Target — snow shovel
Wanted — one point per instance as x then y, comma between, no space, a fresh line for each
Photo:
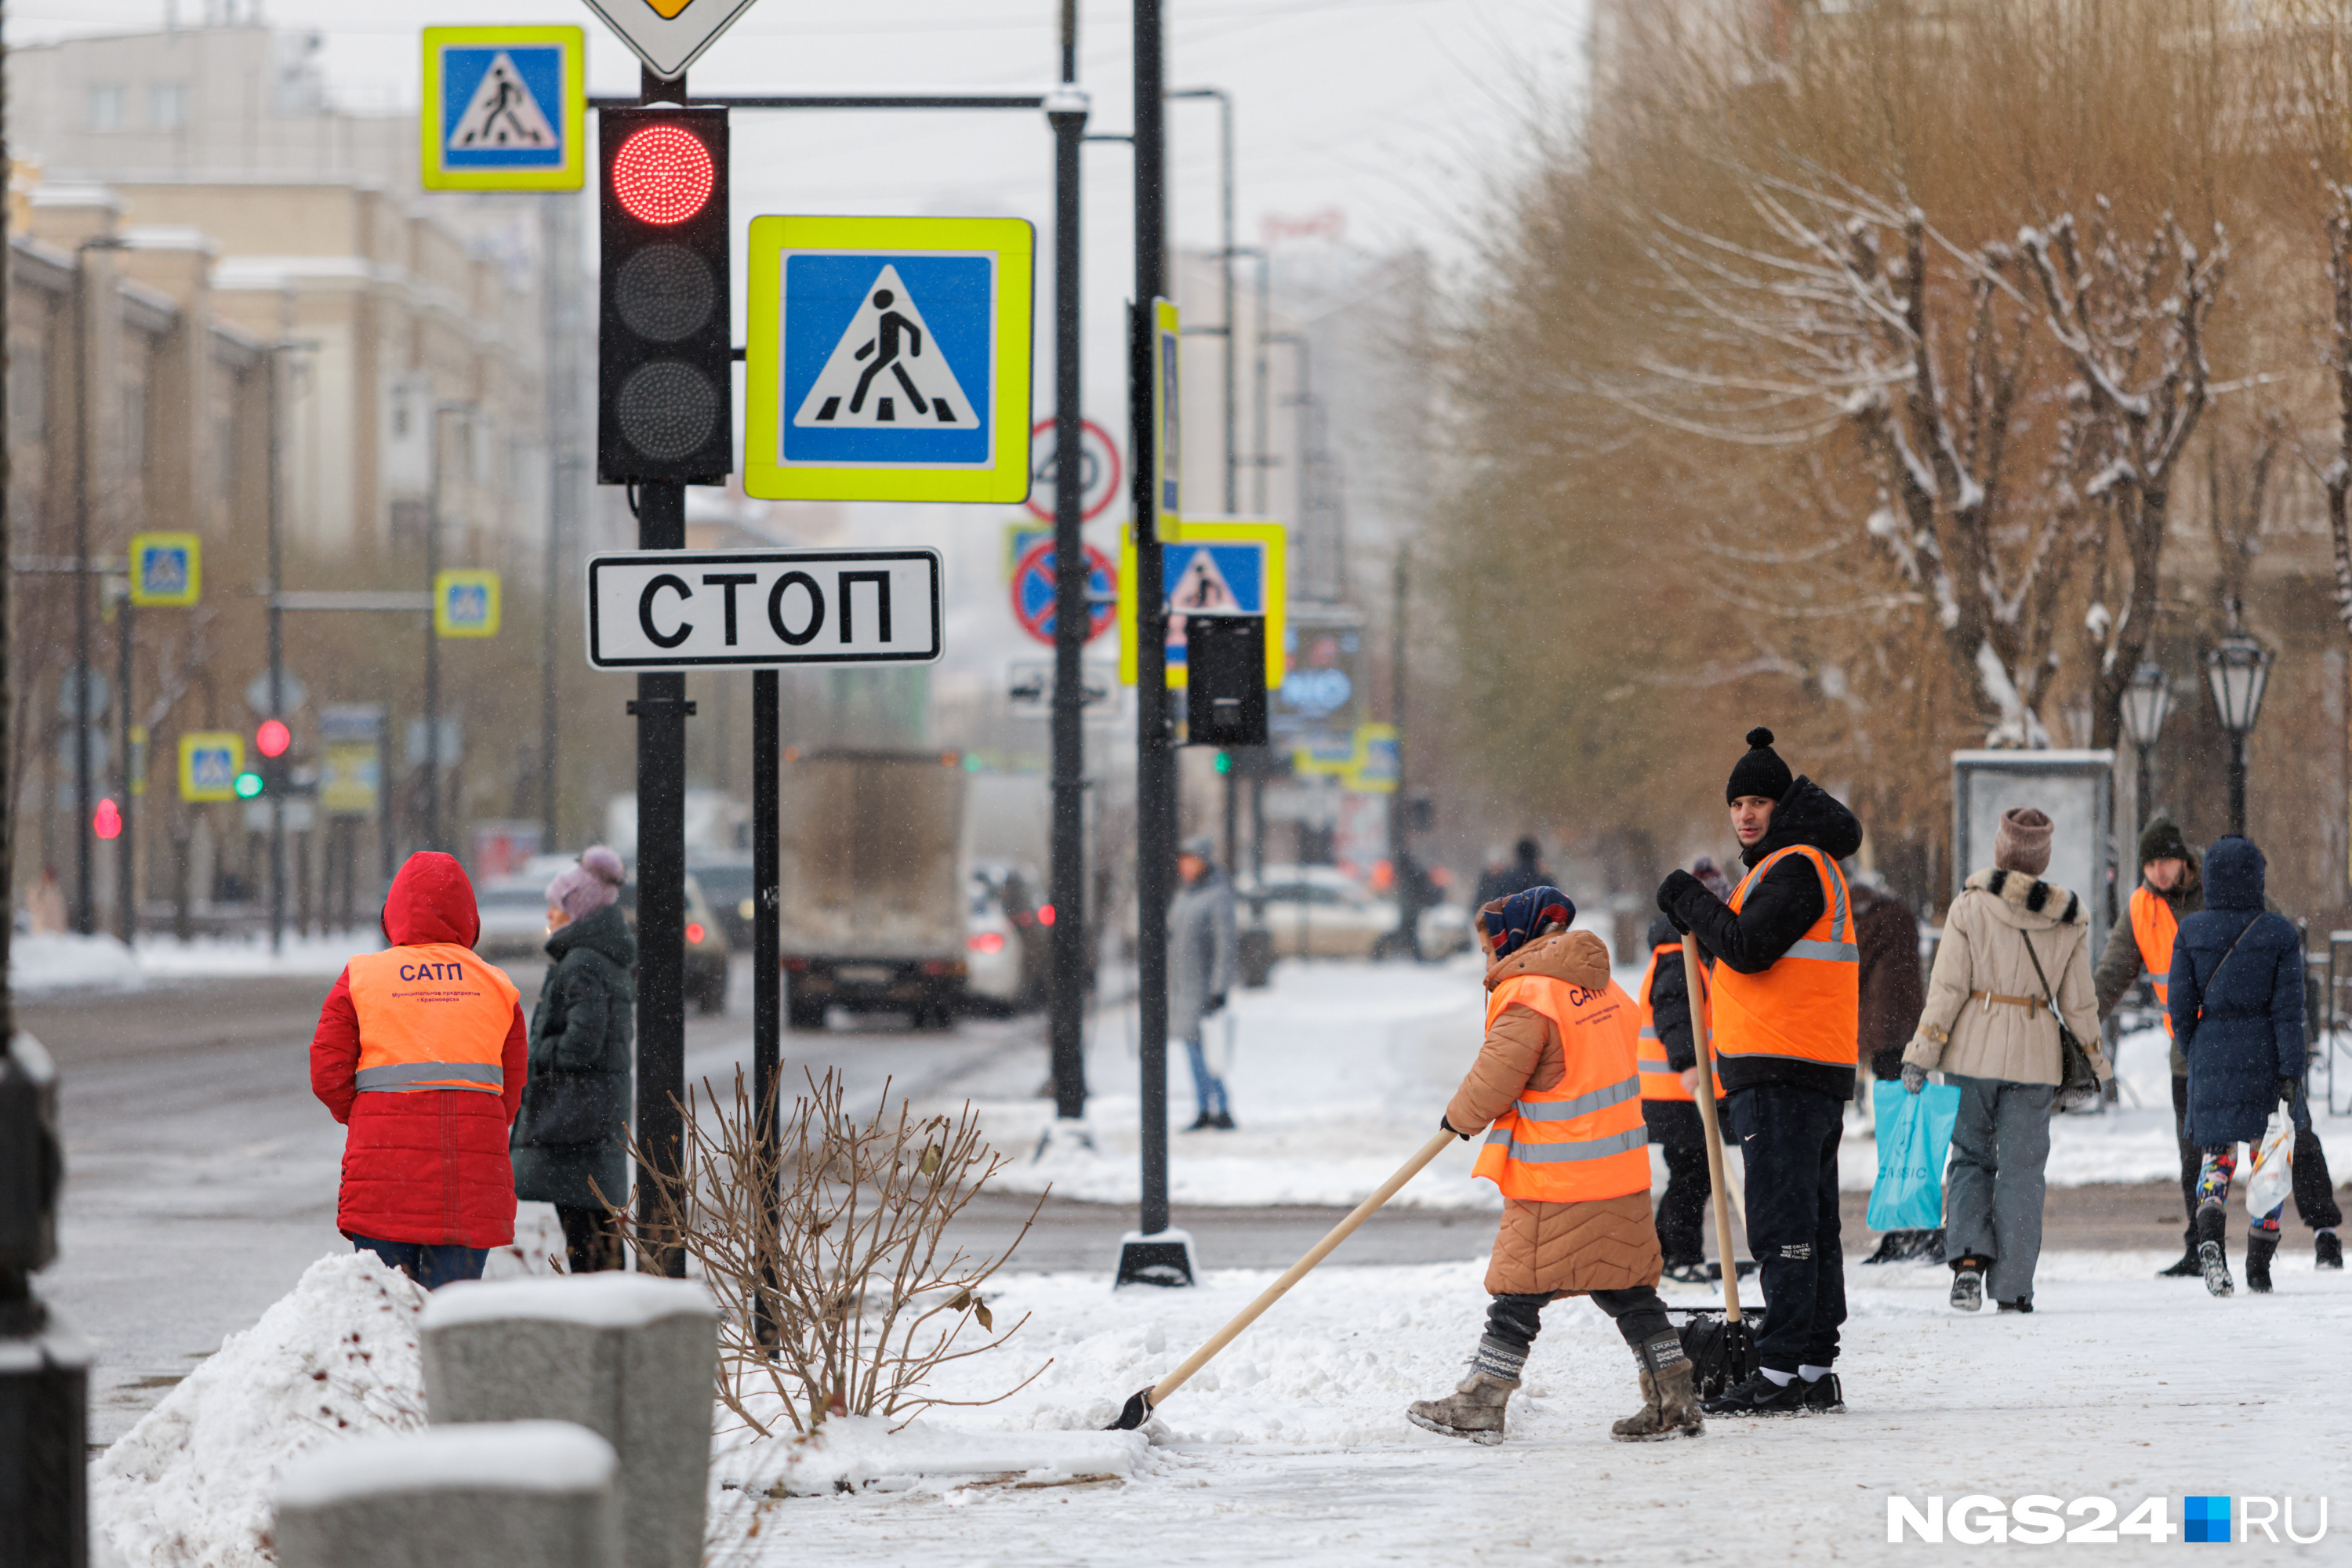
1143,1401
1722,1351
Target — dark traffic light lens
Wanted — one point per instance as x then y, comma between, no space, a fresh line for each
667,408
663,174
663,292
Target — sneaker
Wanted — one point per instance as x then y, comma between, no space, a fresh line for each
1756,1395
2022,1304
1967,1289
1222,1122
1824,1395
2327,1252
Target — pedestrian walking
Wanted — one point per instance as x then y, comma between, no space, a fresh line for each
46,904
1785,1004
2236,998
420,1053
570,1142
1525,871
2171,887
2014,961
1200,951
1891,993
1557,1079
1669,1064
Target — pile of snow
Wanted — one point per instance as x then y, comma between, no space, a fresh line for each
67,963
862,1452
64,962
194,1482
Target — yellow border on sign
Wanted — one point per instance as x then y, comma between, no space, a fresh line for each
193,545
767,477
1167,341
208,740
443,626
571,116
1212,531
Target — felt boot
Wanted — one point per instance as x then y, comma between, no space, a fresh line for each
1475,1408
1669,1402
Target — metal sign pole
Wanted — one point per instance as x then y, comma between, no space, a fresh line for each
767,977
1073,619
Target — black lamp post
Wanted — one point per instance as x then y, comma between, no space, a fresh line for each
2146,702
2238,669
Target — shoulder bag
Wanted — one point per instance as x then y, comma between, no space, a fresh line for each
2078,1081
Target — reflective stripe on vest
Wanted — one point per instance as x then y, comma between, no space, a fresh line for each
1582,1140
2154,926
1659,1079
432,1017
1807,1006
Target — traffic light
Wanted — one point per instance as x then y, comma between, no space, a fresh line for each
665,400
271,739
1224,682
249,784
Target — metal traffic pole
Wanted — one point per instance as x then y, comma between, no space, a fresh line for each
767,975
126,862
277,635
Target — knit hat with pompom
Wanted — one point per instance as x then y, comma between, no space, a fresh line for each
580,890
1761,771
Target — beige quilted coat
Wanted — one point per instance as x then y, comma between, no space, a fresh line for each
1566,1249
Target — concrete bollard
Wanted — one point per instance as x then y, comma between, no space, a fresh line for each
514,1494
631,1357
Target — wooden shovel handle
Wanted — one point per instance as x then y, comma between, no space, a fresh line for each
1691,982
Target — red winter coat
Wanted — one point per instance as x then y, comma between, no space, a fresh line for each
429,1166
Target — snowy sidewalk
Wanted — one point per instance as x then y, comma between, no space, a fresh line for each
38,965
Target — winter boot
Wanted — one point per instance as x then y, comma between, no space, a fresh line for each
1893,1247
2187,1268
1968,1285
2212,1261
2327,1252
1669,1403
2022,1304
1475,1408
2259,1249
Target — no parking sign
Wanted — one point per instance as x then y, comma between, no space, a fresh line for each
1032,591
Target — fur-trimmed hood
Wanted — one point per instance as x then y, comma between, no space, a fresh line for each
2029,903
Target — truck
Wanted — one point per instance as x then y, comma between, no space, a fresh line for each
872,872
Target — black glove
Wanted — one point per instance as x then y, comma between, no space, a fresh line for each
1671,893
2289,1087
1217,1003
1451,1127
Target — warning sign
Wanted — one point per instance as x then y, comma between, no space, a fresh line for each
506,109
1225,567
878,373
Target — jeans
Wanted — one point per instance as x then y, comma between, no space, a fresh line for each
1208,1090
1674,1126
1993,1191
1789,1137
431,1266
1638,1313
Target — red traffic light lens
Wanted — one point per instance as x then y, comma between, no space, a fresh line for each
1045,914
107,820
663,174
694,932
272,739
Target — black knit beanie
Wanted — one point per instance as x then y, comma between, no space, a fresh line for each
2160,840
1761,771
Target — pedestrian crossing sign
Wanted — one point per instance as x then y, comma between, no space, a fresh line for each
465,604
1223,566
506,109
166,569
889,359
210,761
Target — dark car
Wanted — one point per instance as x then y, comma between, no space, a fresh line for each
727,883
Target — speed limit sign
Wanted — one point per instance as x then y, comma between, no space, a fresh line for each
1098,468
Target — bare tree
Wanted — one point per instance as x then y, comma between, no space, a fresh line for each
2336,355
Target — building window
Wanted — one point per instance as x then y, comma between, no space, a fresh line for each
167,106
108,107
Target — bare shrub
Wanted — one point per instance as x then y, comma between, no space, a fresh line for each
842,1296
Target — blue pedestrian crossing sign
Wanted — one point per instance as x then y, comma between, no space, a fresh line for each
465,604
889,359
1220,567
166,569
210,761
506,109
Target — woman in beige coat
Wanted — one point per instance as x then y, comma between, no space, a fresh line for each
2013,945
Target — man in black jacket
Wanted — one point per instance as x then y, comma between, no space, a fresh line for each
1785,1017
1673,1117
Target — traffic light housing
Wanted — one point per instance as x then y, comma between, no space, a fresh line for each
665,391
1225,680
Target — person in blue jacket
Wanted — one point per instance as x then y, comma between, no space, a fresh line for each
2236,999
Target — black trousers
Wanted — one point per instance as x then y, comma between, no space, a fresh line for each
2315,1188
1788,1137
1675,1127
592,1240
1638,1313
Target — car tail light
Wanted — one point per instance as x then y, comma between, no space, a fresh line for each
694,932
795,964
986,941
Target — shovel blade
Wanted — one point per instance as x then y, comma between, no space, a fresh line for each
1134,1413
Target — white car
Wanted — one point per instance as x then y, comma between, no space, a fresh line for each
1002,952
514,916
1320,911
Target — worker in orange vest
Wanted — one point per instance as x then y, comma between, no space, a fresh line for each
1669,1057
2172,887
1558,1083
1786,1010
421,1053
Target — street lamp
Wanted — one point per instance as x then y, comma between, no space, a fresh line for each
2146,702
2238,669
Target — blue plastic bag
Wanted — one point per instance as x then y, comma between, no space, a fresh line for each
1915,1135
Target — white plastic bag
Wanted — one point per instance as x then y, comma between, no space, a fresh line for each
2273,1172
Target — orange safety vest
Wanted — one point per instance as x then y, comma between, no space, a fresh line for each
1660,1081
1807,1006
431,1016
1582,1139
2154,925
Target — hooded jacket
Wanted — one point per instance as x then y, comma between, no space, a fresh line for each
429,1166
1571,1249
1778,910
2236,997
581,1035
